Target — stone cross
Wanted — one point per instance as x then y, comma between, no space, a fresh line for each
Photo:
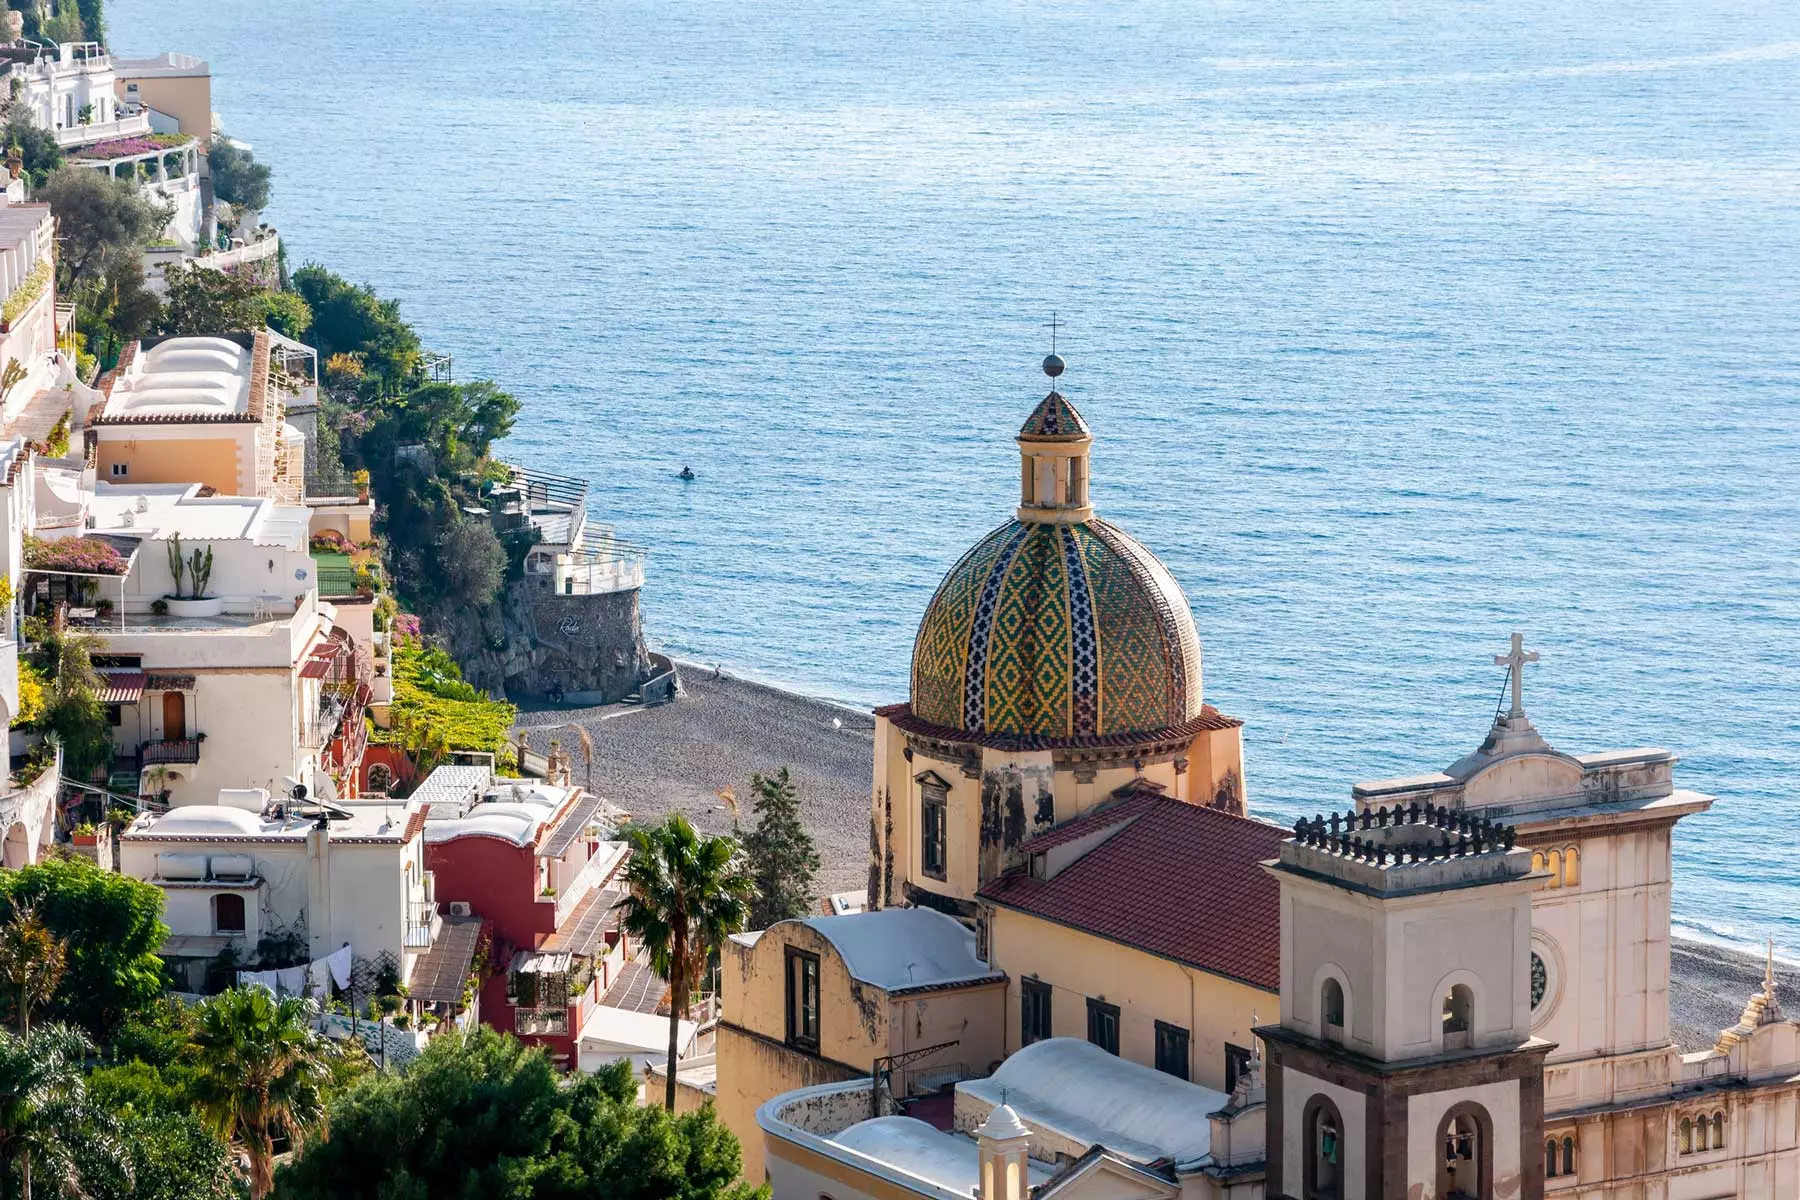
1515,662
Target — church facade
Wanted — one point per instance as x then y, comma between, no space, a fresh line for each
1456,987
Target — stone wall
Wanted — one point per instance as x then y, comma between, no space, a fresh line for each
533,642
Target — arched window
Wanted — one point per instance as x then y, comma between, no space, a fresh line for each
1459,1017
228,913
1465,1167
1323,1165
1571,867
1331,1008
1687,1135
1568,1156
1537,860
1553,864
381,777
1718,1131
1550,1169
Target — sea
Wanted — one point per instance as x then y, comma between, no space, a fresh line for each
1400,326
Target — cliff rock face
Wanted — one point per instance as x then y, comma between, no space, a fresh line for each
533,642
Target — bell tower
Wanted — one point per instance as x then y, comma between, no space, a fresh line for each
1053,459
1404,1067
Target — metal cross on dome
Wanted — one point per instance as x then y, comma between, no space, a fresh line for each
1515,662
1054,326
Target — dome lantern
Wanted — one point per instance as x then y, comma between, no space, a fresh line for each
1053,460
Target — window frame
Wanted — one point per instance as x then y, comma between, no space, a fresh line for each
934,826
243,913
798,1036
1174,1049
1034,1001
1100,1014
1238,1062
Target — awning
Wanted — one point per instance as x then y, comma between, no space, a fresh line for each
443,971
315,668
122,687
597,913
169,683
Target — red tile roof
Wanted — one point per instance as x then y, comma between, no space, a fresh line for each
1179,880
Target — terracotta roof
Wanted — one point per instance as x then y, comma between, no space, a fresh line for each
1179,880
122,687
902,716
415,824
1112,812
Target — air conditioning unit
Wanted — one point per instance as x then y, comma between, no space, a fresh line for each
460,908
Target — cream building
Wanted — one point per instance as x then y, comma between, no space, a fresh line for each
251,685
1472,991
204,410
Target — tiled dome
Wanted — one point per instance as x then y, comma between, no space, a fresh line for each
1057,631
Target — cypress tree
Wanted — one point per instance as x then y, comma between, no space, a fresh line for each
783,859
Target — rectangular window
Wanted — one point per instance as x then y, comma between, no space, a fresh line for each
1034,1011
803,1000
120,470
1237,1064
115,715
1103,1025
934,817
1172,1050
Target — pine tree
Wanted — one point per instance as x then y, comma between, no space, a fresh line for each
783,859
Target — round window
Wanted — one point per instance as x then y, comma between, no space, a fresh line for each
1540,980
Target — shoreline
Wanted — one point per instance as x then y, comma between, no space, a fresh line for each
678,757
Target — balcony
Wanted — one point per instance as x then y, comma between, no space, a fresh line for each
422,923
169,750
125,125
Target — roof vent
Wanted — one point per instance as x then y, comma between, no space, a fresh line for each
143,504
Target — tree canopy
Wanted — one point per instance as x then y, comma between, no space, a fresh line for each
111,927
783,860
482,1115
351,319
204,301
38,145
99,220
238,179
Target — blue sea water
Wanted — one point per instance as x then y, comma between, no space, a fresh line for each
1400,326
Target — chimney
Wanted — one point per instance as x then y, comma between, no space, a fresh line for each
1005,1143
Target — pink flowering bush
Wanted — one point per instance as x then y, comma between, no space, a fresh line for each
333,541
126,147
406,625
86,556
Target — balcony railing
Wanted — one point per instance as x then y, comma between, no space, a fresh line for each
540,1020
169,750
421,923
127,125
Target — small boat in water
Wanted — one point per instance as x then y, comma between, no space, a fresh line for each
686,475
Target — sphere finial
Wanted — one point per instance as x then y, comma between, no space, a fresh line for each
1053,365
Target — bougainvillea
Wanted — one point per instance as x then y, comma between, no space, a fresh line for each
332,541
79,555
148,143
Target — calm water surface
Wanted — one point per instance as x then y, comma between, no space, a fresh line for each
1400,326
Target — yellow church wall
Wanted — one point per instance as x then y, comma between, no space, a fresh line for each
752,1071
1147,988
212,461
187,98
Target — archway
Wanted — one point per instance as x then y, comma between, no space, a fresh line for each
1323,1165
1466,1154
18,846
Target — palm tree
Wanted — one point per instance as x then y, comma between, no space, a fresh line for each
261,1072
43,1117
687,895
32,960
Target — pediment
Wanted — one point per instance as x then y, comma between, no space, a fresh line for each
1522,777
1102,1175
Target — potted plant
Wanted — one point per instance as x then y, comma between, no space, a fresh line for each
160,607
361,480
198,568
85,834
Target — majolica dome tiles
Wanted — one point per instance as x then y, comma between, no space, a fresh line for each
1054,417
1058,631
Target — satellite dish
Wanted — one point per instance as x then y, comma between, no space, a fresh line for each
296,789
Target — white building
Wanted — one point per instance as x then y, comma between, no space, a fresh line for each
71,90
246,868
248,686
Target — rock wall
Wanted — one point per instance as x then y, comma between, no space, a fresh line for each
534,642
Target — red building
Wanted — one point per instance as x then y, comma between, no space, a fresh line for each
533,862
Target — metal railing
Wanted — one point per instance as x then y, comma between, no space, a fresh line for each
169,750
421,921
